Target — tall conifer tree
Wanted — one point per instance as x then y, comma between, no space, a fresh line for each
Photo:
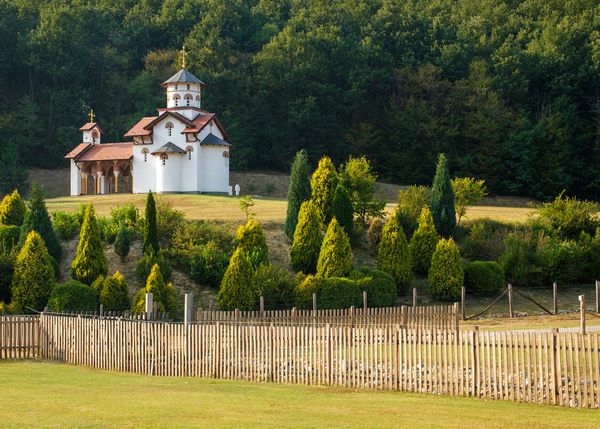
151,244
299,191
343,210
393,255
323,183
90,261
12,209
335,257
423,242
442,199
237,287
306,246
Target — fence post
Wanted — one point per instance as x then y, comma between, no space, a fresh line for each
414,297
475,360
597,296
365,301
188,307
155,310
101,310
314,296
237,315
456,317
351,316
149,305
463,295
510,301
582,313
555,297
294,315
403,313
262,306
329,365
553,367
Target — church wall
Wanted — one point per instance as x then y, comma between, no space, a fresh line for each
144,175
214,169
75,179
189,169
168,175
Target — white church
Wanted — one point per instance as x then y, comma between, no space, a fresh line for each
181,149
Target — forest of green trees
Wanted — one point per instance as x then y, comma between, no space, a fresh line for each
508,89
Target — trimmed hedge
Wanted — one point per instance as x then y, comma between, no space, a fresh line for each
72,296
113,292
276,285
304,290
379,285
339,292
483,278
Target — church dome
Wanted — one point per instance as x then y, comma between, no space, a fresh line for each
183,76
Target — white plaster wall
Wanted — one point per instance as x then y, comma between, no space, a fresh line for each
160,134
144,173
75,179
189,170
214,169
168,175
182,90
210,128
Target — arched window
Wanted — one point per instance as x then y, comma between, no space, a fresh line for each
225,154
95,134
145,153
176,98
189,151
188,86
163,159
197,98
169,127
188,99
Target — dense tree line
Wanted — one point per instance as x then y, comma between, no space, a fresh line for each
508,89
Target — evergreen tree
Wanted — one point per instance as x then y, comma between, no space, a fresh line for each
423,242
122,242
12,209
323,183
237,288
393,255
442,199
150,244
34,276
90,261
162,293
446,274
37,219
306,246
113,293
335,256
12,174
251,238
299,191
342,210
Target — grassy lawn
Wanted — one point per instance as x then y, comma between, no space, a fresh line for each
40,394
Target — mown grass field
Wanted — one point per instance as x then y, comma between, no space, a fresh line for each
50,395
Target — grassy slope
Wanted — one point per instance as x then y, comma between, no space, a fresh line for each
39,394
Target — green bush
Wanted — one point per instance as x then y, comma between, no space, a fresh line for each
127,214
358,178
423,242
72,296
413,199
304,291
379,285
191,236
393,255
339,292
408,222
147,261
590,248
484,278
561,261
485,239
163,294
342,210
122,242
7,270
168,220
34,276
238,289
304,253
374,235
66,225
12,209
276,285
323,183
335,256
299,191
446,276
251,238
520,261
113,292
570,216
208,264
9,237
90,261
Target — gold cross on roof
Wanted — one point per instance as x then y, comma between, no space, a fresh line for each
182,52
92,115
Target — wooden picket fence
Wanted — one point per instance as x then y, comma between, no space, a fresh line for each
429,317
544,368
19,337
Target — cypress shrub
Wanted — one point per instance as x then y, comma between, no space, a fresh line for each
113,293
37,219
304,291
423,242
208,264
446,275
34,276
9,237
162,293
407,221
379,285
483,278
306,246
12,209
393,255
276,285
72,296
122,242
90,261
323,183
150,243
148,260
342,209
338,292
298,192
7,270
251,238
442,199
335,256
237,288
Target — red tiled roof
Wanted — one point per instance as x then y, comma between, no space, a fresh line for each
199,122
89,126
108,152
139,129
160,117
80,148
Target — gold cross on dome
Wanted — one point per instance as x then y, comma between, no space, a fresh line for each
182,52
91,115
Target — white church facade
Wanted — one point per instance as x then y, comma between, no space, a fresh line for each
182,149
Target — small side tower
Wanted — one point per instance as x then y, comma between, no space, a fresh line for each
91,131
184,90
